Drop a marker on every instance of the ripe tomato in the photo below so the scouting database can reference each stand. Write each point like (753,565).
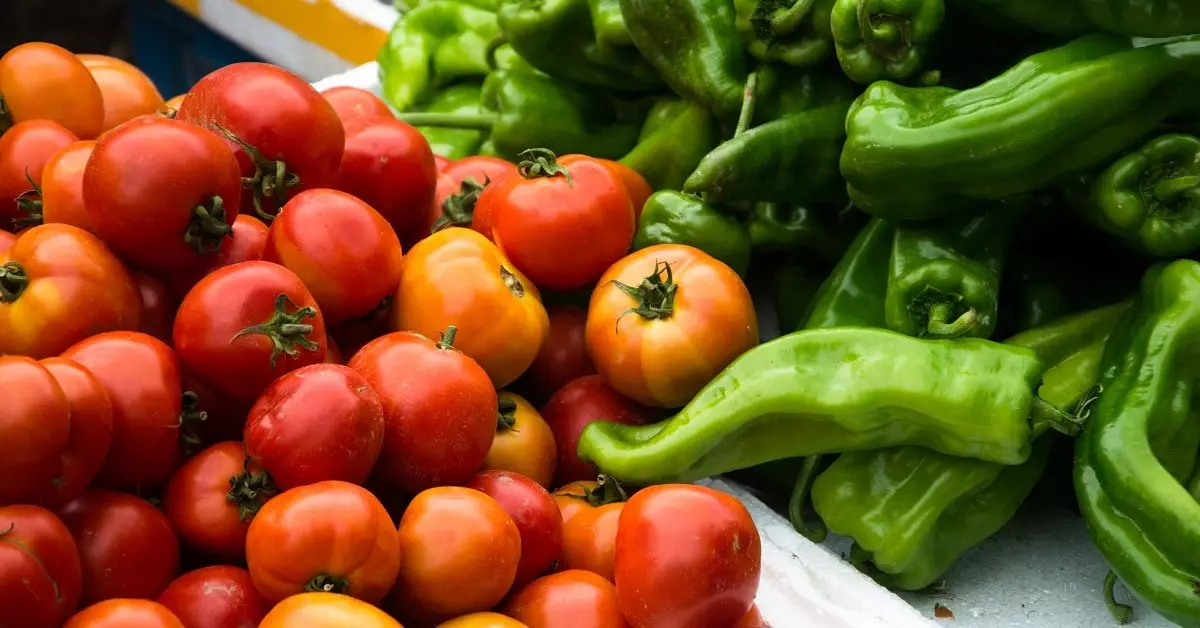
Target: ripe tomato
(247,324)
(388,164)
(523,443)
(90,431)
(575,405)
(440,162)
(456,277)
(39,568)
(141,376)
(215,597)
(561,225)
(246,244)
(333,353)
(34,431)
(212,497)
(698,539)
(40,81)
(158,308)
(356,107)
(330,536)
(580,599)
(225,415)
(25,150)
(563,356)
(344,251)
(59,285)
(62,186)
(127,92)
(321,422)
(125,613)
(535,514)
(486,619)
(576,497)
(171,108)
(635,184)
(467,178)
(439,410)
(7,240)
(286,137)
(589,540)
(327,610)
(127,547)
(691,317)
(460,555)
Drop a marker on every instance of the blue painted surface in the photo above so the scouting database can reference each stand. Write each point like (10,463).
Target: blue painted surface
(174,49)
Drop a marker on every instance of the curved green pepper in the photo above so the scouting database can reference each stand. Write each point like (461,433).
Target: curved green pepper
(611,32)
(795,32)
(1144,521)
(675,137)
(884,39)
(797,229)
(1063,18)
(1146,18)
(455,143)
(796,287)
(853,294)
(915,152)
(670,217)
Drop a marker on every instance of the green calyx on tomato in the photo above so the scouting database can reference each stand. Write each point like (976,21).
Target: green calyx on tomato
(208,227)
(607,491)
(458,210)
(249,491)
(446,342)
(13,281)
(655,296)
(325,583)
(506,415)
(271,178)
(540,162)
(29,203)
(287,333)
(190,418)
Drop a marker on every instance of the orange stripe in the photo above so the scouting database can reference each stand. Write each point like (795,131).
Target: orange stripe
(322,23)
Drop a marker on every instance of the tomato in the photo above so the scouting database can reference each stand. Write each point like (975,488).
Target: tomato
(589,540)
(40,81)
(563,356)
(215,597)
(461,552)
(39,568)
(276,122)
(158,308)
(482,620)
(59,285)
(456,277)
(212,497)
(126,546)
(523,443)
(575,405)
(686,555)
(576,497)
(535,514)
(634,184)
(353,335)
(34,430)
(125,613)
(482,170)
(356,107)
(245,325)
(388,164)
(7,240)
(439,410)
(440,162)
(91,430)
(171,108)
(344,251)
(333,353)
(127,92)
(704,319)
(62,186)
(25,149)
(563,228)
(580,599)
(321,422)
(246,244)
(326,610)
(752,619)
(225,415)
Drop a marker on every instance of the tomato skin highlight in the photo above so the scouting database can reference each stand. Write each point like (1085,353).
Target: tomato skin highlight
(34,430)
(25,149)
(327,610)
(125,613)
(126,91)
(158,308)
(577,598)
(90,431)
(535,514)
(215,597)
(355,106)
(196,503)
(40,577)
(634,184)
(388,164)
(570,410)
(41,81)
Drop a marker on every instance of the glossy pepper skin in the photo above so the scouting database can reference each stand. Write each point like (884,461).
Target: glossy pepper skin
(609,24)
(854,293)
(913,152)
(794,32)
(1142,518)
(670,217)
(465,98)
(1062,18)
(884,39)
(695,47)
(674,138)
(1146,18)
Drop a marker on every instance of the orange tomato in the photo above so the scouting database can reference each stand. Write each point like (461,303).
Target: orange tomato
(123,613)
(482,620)
(524,443)
(25,150)
(171,107)
(326,610)
(332,536)
(575,598)
(41,81)
(127,91)
(703,319)
(590,538)
(635,184)
(62,186)
(575,497)
(457,277)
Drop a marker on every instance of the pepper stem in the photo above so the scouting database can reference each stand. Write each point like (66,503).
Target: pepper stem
(506,416)
(284,329)
(189,419)
(799,499)
(478,122)
(249,491)
(458,210)
(325,583)
(271,177)
(1168,190)
(1046,415)
(654,297)
(746,116)
(30,203)
(13,282)
(939,325)
(1121,613)
(789,19)
(885,35)
(208,227)
(541,162)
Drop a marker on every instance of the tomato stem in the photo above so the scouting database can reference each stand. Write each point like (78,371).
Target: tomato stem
(447,340)
(30,203)
(506,418)
(284,329)
(13,282)
(191,418)
(609,491)
(208,227)
(249,491)
(271,177)
(327,584)
(458,210)
(655,296)
(541,162)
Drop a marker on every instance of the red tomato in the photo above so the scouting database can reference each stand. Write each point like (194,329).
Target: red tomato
(144,184)
(580,599)
(125,613)
(330,536)
(563,357)
(247,324)
(39,568)
(7,240)
(440,162)
(126,546)
(276,121)
(326,610)
(212,497)
(389,166)
(24,151)
(158,309)
(225,415)
(523,443)
(127,92)
(700,541)
(753,619)
(534,512)
(482,171)
(563,226)
(344,251)
(575,405)
(141,376)
(215,597)
(34,432)
(62,186)
(59,285)
(246,244)
(589,540)
(481,168)
(40,81)
(353,335)
(356,107)
(321,422)
(333,353)
(439,410)
(635,185)
(90,432)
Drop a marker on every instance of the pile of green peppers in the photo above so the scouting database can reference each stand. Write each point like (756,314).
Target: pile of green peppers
(974,218)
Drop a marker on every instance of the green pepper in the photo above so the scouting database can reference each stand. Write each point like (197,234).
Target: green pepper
(1144,521)
(694,45)
(853,295)
(675,137)
(611,32)
(780,91)
(557,37)
(799,228)
(795,32)
(1063,18)
(796,287)
(455,143)
(884,39)
(1146,18)
(915,152)
(670,217)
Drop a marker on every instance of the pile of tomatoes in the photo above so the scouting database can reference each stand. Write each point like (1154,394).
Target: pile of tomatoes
(266,360)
